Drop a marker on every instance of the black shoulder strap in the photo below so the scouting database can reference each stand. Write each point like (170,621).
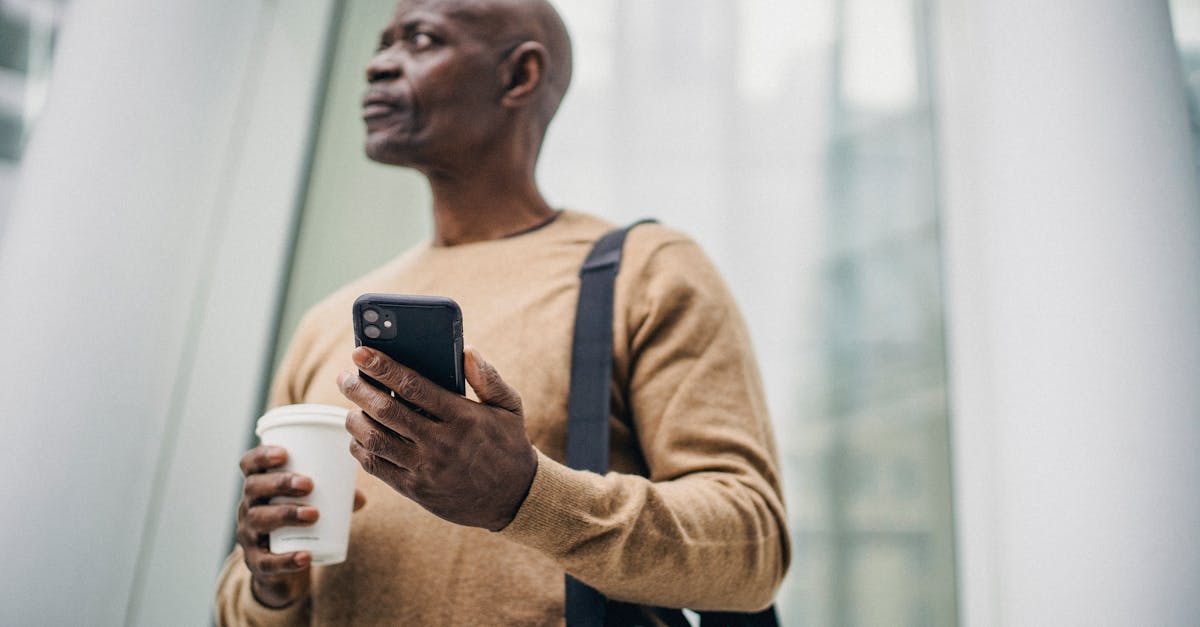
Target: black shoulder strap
(591,355)
(587,418)
(588,404)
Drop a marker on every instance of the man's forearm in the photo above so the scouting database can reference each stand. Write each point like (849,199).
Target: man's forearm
(705,541)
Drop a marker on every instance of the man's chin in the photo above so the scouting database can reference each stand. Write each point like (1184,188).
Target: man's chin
(388,153)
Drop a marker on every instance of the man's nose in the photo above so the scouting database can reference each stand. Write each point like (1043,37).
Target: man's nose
(383,67)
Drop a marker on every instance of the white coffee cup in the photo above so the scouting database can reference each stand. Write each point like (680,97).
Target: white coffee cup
(318,447)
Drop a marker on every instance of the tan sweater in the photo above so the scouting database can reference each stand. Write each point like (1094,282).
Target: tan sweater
(691,514)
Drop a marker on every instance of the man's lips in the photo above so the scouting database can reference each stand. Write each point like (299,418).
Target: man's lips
(377,110)
(379,106)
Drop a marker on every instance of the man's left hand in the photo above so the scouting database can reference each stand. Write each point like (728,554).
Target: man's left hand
(468,462)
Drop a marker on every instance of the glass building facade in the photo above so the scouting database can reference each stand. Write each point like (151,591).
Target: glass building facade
(27,33)
(1185,20)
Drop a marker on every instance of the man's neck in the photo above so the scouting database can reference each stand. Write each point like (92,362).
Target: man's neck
(486,205)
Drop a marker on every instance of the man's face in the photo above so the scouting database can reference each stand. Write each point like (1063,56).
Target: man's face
(433,97)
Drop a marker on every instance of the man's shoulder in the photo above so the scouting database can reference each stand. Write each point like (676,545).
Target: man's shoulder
(642,242)
(662,264)
(645,241)
(653,252)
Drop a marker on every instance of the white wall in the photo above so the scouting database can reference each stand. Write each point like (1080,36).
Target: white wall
(138,282)
(1072,230)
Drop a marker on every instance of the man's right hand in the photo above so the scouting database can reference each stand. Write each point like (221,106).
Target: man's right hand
(276,580)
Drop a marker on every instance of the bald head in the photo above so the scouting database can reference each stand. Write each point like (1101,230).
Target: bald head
(554,36)
(509,23)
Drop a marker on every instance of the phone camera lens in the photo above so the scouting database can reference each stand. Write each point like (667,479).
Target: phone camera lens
(371,315)
(371,331)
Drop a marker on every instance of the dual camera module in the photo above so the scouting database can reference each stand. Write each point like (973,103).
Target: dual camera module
(378,324)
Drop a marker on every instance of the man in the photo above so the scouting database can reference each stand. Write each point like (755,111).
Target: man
(468,514)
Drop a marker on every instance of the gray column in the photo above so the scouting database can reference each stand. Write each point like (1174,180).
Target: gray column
(1072,231)
(139,271)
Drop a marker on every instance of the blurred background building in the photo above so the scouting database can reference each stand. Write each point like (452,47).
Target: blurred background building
(965,235)
(27,32)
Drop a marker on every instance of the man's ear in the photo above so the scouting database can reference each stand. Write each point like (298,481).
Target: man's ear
(522,73)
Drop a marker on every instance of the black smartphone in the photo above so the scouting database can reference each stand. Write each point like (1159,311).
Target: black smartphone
(421,332)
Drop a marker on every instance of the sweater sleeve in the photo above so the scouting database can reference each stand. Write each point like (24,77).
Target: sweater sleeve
(706,529)
(235,603)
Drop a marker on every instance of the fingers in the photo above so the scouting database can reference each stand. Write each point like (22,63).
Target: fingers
(381,441)
(378,466)
(263,519)
(376,402)
(378,410)
(264,486)
(262,458)
(407,383)
(255,522)
(264,564)
(488,386)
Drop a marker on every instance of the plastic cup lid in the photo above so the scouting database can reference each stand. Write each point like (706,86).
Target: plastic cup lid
(302,414)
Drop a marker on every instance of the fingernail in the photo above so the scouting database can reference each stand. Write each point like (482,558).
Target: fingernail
(364,357)
(302,559)
(298,483)
(306,513)
(275,452)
